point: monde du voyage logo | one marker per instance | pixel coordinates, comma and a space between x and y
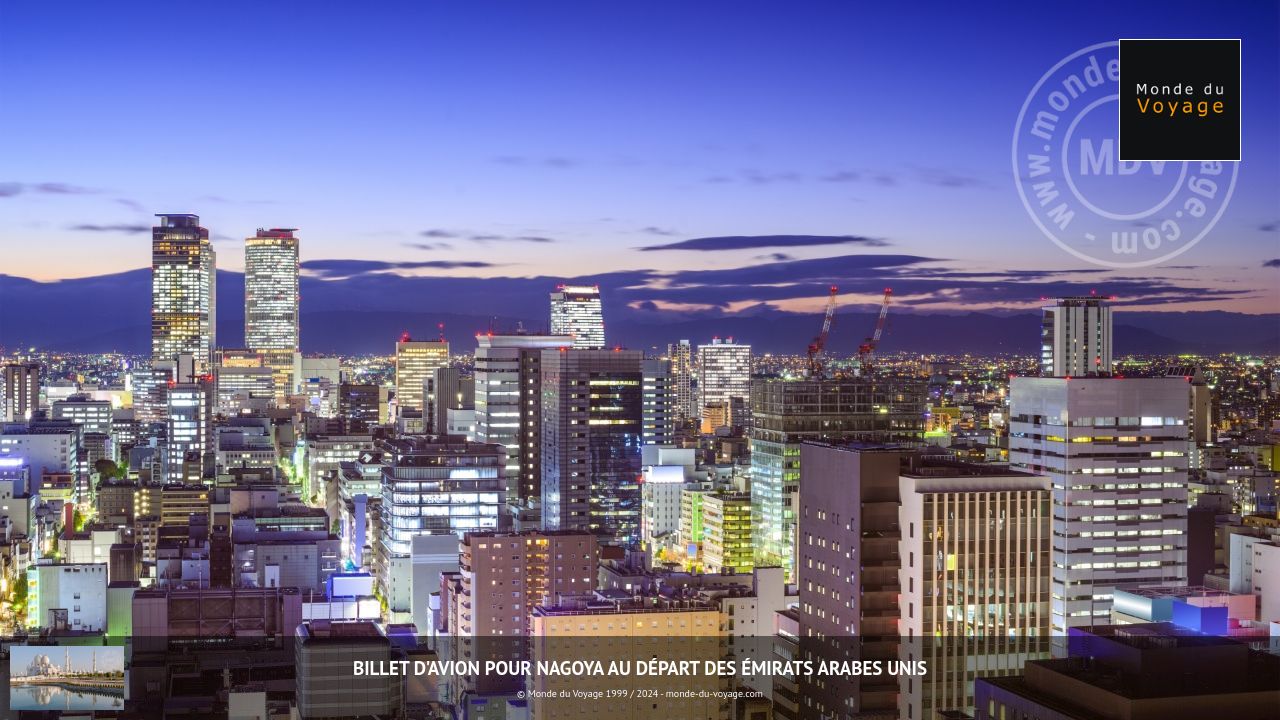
1124, 152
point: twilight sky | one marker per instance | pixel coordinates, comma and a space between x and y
517, 139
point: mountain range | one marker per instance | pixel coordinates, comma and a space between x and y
365, 314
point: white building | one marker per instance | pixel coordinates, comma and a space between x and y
576, 311
43, 447
666, 470
189, 440
1266, 579
1115, 450
659, 403
724, 373
92, 416
969, 532
73, 596
1075, 337
681, 356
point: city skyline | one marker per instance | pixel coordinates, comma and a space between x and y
630, 184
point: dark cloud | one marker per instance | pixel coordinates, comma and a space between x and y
775, 257
753, 242
653, 230
119, 228
438, 234
342, 269
1272, 263
510, 238
1273, 226
429, 246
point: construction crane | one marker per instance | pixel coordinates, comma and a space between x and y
819, 344
866, 351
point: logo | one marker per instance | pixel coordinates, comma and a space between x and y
1067, 168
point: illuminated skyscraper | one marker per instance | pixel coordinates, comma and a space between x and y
591, 431
681, 356
271, 302
183, 290
575, 310
1075, 337
508, 402
1116, 452
189, 450
724, 373
416, 360
21, 385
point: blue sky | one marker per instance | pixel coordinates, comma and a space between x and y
602, 127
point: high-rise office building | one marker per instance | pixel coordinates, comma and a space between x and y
1075, 337
416, 360
446, 389
189, 449
508, 403
848, 573
436, 486
659, 403
724, 373
1116, 452
183, 291
21, 391
591, 437
787, 412
969, 531
726, 541
361, 405
575, 310
271, 302
681, 356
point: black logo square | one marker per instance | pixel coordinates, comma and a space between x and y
1179, 100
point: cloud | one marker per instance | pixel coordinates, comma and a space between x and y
1272, 263
1272, 226
10, 189
652, 230
131, 204
341, 269
429, 246
438, 234
549, 161
751, 242
941, 177
507, 238
843, 176
775, 257
119, 228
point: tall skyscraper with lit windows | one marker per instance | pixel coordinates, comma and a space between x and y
1115, 450
575, 310
1075, 337
724, 373
183, 290
681, 356
416, 360
271, 302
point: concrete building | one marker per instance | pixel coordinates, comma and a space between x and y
1140, 672
724, 373
362, 405
726, 544
786, 413
508, 405
1075, 337
576, 311
1115, 451
591, 435
974, 578
607, 627
326, 652
416, 360
20, 383
44, 447
446, 389
67, 596
188, 445
659, 398
506, 575
680, 355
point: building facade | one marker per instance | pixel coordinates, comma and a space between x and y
576, 311
183, 291
1075, 337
